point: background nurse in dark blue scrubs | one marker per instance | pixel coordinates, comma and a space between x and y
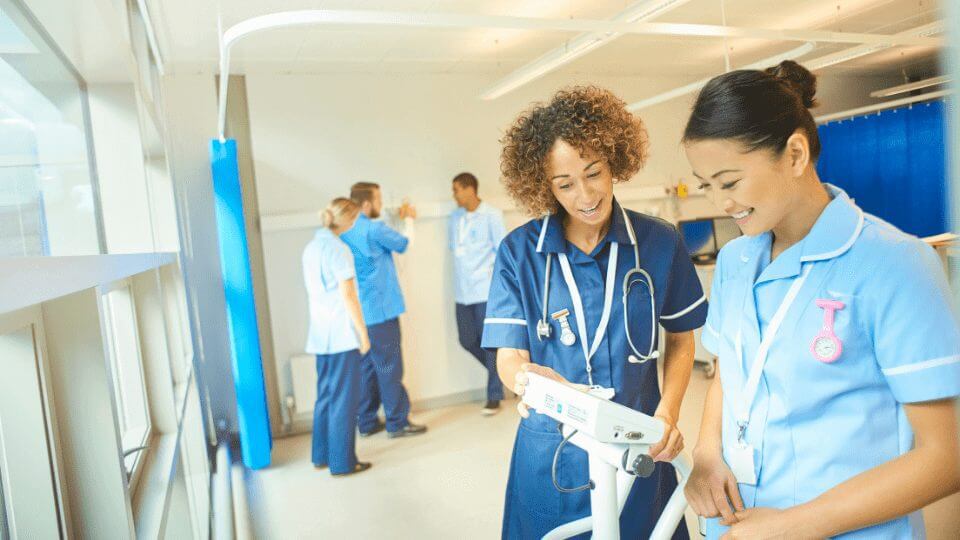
561, 161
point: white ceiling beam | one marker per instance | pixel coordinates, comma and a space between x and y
814, 64
643, 10
926, 30
694, 86
437, 20
911, 86
443, 20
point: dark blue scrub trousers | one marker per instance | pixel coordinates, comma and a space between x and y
470, 330
335, 413
380, 379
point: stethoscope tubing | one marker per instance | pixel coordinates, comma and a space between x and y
543, 327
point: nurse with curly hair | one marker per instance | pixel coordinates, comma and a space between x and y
562, 287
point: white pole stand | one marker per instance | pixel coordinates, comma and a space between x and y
611, 486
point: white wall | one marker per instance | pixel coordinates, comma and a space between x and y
119, 155
314, 135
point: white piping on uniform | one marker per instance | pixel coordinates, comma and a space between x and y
920, 366
543, 233
842, 249
685, 311
518, 322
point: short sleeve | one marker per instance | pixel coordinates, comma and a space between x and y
505, 325
915, 328
342, 262
684, 304
710, 338
384, 236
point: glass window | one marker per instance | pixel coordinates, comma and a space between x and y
178, 323
130, 396
48, 198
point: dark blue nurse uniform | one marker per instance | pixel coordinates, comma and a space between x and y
533, 506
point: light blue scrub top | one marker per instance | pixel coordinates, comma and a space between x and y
474, 238
814, 425
326, 262
373, 244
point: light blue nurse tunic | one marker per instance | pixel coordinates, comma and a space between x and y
327, 262
474, 238
814, 424
533, 506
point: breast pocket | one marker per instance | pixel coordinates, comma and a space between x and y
828, 327
476, 236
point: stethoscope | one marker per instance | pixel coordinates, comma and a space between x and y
636, 275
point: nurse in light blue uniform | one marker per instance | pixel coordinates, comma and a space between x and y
839, 350
338, 337
610, 270
475, 229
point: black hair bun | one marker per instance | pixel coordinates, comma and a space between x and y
799, 78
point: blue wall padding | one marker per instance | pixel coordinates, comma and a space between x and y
254, 428
696, 234
893, 164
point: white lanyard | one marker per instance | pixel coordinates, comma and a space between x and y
462, 226
753, 382
578, 305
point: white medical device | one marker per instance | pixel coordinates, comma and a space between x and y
602, 420
617, 440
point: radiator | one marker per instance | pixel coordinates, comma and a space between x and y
303, 386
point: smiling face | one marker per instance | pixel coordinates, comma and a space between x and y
756, 188
581, 182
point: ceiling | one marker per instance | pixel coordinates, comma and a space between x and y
187, 32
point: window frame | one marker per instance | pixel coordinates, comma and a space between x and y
134, 443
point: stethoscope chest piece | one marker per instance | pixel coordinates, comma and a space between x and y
543, 330
567, 337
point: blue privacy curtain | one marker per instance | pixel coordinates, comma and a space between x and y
893, 164
254, 428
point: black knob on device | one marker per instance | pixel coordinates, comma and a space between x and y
643, 466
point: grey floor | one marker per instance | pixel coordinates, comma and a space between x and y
448, 483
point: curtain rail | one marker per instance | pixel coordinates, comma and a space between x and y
882, 106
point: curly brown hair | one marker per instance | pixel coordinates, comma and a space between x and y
586, 117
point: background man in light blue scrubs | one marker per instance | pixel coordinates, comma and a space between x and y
373, 244
475, 230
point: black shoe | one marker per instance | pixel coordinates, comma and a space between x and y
319, 466
407, 431
377, 429
491, 408
359, 467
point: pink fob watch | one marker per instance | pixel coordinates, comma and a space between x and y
826, 346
